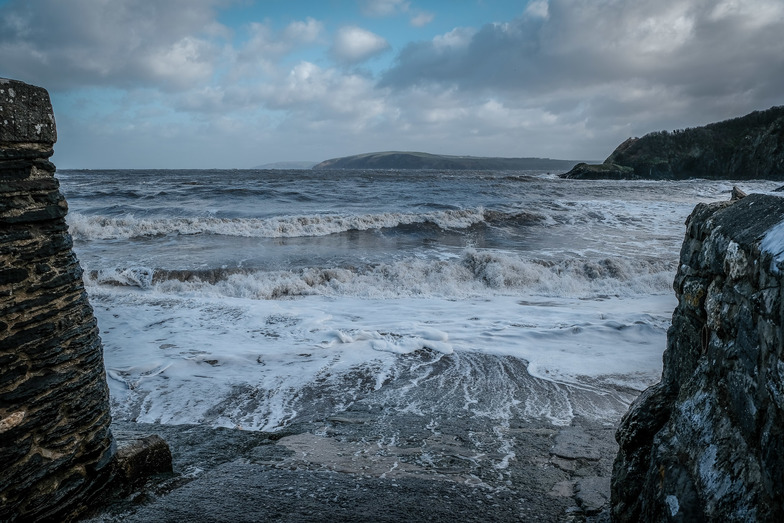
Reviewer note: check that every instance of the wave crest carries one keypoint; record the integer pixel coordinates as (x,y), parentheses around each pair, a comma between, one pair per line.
(474,274)
(85,227)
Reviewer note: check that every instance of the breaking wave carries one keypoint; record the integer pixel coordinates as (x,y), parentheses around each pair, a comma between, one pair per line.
(85,227)
(473,274)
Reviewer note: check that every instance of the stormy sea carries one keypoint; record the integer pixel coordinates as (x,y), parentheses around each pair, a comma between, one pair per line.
(470,304)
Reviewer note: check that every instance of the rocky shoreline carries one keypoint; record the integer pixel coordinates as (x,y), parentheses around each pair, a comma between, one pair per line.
(347,468)
(459,442)
(453,437)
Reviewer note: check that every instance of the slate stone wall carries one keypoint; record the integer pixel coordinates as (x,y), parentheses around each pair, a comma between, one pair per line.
(707,442)
(54,404)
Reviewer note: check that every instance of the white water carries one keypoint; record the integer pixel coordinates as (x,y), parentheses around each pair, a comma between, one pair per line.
(100,227)
(257,299)
(173,360)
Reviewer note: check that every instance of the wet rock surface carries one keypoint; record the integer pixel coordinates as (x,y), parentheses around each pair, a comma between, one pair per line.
(337,471)
(706,443)
(382,459)
(140,457)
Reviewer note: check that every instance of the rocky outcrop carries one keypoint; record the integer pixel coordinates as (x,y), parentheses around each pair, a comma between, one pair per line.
(54,411)
(416,160)
(601,171)
(746,148)
(707,442)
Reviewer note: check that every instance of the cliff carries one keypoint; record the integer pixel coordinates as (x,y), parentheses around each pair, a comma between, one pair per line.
(414,160)
(707,442)
(54,406)
(745,148)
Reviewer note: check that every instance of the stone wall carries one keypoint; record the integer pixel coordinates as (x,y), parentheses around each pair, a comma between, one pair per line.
(707,442)
(54,411)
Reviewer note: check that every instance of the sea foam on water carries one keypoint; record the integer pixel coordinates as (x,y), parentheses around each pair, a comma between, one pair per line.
(262,298)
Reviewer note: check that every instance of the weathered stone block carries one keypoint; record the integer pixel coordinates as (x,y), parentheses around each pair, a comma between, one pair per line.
(139,459)
(26,114)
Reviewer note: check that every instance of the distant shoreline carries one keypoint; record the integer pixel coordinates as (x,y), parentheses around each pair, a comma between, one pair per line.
(418,160)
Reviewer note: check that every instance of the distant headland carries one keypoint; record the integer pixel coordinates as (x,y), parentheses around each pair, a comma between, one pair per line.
(287,165)
(746,148)
(417,160)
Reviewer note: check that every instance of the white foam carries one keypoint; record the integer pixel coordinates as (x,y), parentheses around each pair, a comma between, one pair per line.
(474,273)
(84,227)
(238,362)
(571,281)
(132,276)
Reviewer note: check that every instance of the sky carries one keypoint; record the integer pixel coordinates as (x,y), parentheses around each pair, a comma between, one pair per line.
(240,83)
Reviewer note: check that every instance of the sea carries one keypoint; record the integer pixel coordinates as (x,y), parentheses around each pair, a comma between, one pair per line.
(256,299)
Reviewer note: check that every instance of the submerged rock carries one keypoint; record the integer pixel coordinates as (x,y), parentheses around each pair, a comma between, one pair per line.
(706,443)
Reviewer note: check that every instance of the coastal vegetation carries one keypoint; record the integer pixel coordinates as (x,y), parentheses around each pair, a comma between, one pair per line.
(750,147)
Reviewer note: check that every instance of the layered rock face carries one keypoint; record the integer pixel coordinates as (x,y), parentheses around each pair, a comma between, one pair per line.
(54,409)
(707,442)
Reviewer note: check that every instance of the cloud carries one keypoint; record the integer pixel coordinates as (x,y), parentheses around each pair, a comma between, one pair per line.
(265,46)
(172,44)
(353,45)
(381,8)
(710,54)
(385,8)
(538,8)
(567,78)
(422,18)
(264,41)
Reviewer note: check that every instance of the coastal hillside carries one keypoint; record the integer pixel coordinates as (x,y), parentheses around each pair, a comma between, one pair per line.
(416,160)
(746,148)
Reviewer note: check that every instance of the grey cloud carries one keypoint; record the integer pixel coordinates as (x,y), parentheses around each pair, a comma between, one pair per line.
(496,56)
(120,43)
(714,52)
(383,7)
(267,44)
(353,45)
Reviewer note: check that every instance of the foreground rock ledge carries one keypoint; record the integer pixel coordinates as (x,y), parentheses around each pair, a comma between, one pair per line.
(706,443)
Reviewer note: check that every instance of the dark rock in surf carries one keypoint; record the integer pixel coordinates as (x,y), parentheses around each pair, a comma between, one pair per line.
(737,194)
(602,171)
(139,458)
(707,442)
